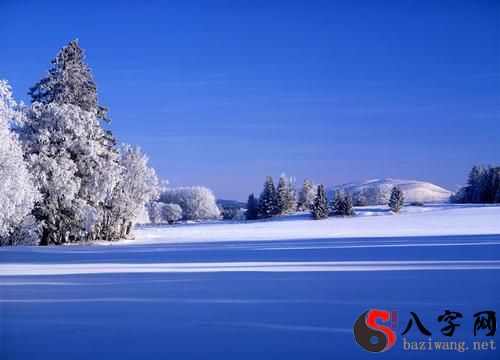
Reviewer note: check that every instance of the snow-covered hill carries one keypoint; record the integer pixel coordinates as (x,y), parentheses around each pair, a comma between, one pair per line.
(377,191)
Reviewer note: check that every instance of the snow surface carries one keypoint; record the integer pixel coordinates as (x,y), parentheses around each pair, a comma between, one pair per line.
(371,221)
(226,291)
(413,190)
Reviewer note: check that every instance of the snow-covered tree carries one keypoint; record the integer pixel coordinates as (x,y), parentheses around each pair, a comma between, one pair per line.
(320,208)
(73,168)
(342,203)
(397,200)
(483,186)
(137,186)
(161,213)
(155,212)
(306,196)
(252,208)
(348,208)
(171,213)
(70,81)
(338,201)
(197,202)
(17,191)
(268,200)
(361,198)
(285,193)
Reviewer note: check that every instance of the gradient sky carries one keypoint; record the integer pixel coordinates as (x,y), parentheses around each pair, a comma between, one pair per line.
(223,93)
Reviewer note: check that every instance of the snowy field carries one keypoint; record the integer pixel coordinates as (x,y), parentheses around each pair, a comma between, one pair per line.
(287,288)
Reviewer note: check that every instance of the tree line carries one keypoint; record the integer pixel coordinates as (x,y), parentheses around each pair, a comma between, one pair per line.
(483,186)
(282,200)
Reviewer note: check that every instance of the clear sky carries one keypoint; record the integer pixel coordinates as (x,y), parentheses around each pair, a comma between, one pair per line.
(223,93)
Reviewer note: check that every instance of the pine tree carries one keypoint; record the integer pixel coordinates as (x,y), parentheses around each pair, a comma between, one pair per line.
(268,202)
(70,81)
(347,208)
(397,200)
(306,196)
(474,184)
(286,195)
(73,169)
(252,208)
(338,202)
(320,207)
(65,118)
(342,203)
(292,191)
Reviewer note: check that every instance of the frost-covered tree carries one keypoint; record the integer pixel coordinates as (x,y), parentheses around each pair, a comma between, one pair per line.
(17,191)
(74,170)
(171,213)
(155,212)
(70,81)
(320,208)
(252,208)
(137,186)
(342,203)
(397,200)
(285,194)
(197,202)
(268,200)
(348,208)
(483,186)
(338,202)
(361,198)
(306,196)
(161,213)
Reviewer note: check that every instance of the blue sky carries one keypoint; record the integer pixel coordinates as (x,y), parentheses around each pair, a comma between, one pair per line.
(223,93)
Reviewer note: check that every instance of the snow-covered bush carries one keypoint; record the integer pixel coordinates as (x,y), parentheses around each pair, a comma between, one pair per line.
(17,191)
(161,213)
(197,202)
(171,213)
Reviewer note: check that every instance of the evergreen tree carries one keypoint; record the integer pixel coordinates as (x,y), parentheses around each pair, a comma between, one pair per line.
(74,171)
(397,200)
(292,191)
(268,202)
(70,81)
(252,208)
(342,203)
(474,184)
(483,185)
(348,209)
(338,202)
(320,207)
(306,196)
(286,195)
(64,129)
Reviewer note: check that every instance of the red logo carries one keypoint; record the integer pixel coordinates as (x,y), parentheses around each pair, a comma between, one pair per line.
(371,335)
